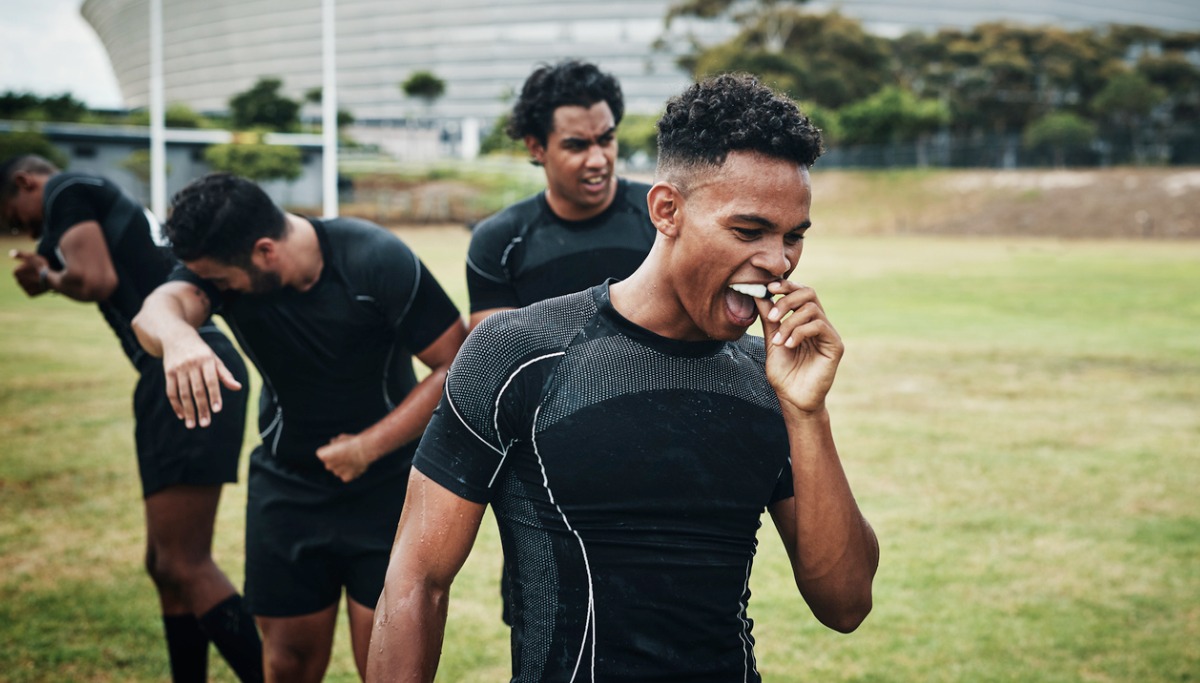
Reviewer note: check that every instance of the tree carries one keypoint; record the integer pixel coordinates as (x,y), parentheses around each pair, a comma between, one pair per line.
(893,114)
(256,161)
(27,106)
(177,115)
(263,106)
(774,21)
(1063,133)
(827,59)
(30,142)
(313,96)
(424,85)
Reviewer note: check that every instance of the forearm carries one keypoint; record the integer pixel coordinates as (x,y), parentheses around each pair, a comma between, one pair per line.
(407,421)
(71,285)
(406,643)
(163,320)
(836,552)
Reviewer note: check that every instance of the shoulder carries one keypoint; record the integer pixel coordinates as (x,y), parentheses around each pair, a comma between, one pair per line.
(361,243)
(509,339)
(69,184)
(505,225)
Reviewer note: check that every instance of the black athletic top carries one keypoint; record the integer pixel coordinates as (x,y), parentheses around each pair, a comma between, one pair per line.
(337,358)
(140,262)
(628,474)
(526,253)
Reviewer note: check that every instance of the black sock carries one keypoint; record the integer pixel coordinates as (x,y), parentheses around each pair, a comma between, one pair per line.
(187,647)
(232,630)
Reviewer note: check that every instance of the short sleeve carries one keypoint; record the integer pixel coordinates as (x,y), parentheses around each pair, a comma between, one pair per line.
(180,273)
(486,409)
(409,296)
(68,204)
(783,485)
(488,283)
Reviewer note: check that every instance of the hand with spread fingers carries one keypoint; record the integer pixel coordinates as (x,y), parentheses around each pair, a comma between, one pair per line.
(194,375)
(803,348)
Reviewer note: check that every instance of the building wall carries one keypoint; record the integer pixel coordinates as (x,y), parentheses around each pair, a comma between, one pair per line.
(484,49)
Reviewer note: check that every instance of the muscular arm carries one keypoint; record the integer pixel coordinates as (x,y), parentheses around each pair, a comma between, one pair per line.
(349,455)
(436,532)
(166,327)
(87,274)
(832,548)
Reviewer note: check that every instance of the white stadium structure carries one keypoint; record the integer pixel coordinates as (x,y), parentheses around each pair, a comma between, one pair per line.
(483,49)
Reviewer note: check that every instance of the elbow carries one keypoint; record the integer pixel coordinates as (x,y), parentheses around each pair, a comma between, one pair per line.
(845,618)
(93,289)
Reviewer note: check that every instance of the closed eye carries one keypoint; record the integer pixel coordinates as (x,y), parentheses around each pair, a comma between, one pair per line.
(748,234)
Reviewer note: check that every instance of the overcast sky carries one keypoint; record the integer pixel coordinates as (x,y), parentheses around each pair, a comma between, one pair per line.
(47,48)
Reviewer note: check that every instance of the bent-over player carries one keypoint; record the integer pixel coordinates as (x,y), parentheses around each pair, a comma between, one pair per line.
(95,245)
(331,312)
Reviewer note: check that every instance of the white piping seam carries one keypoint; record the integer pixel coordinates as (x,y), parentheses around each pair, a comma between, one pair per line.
(496,410)
(590,623)
(747,655)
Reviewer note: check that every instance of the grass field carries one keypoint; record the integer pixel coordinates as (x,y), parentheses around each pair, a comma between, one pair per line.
(1020,420)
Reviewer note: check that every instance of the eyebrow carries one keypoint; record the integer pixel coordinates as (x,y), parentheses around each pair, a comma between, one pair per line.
(767,223)
(575,138)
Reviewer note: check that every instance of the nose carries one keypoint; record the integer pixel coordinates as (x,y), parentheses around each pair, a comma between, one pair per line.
(596,157)
(776,257)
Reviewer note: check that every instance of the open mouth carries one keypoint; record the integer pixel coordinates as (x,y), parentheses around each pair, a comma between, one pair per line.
(740,304)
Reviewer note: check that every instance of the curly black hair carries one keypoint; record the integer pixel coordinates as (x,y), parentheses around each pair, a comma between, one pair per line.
(220,216)
(570,82)
(728,113)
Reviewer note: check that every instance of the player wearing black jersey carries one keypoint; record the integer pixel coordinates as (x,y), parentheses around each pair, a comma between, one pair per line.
(587,225)
(628,438)
(331,313)
(96,245)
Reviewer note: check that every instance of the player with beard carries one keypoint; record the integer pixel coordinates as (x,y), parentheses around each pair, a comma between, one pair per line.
(331,312)
(96,245)
(629,437)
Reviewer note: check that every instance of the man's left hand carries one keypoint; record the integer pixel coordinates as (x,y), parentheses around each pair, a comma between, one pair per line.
(345,456)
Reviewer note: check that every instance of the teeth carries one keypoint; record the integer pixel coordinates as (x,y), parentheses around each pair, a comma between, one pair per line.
(757,291)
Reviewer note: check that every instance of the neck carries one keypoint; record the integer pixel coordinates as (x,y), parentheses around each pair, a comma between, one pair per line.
(305,260)
(648,299)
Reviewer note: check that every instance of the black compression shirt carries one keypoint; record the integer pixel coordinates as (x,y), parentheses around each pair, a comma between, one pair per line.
(526,253)
(141,265)
(628,474)
(336,358)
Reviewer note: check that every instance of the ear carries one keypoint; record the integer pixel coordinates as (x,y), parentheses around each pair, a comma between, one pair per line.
(536,149)
(264,253)
(665,203)
(25,181)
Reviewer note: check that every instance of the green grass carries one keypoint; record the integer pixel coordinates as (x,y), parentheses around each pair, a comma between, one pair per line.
(1019,420)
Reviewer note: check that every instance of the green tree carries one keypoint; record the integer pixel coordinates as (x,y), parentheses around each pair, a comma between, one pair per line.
(497,141)
(1063,133)
(893,114)
(424,85)
(257,161)
(30,142)
(30,107)
(827,59)
(638,133)
(177,115)
(313,96)
(263,106)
